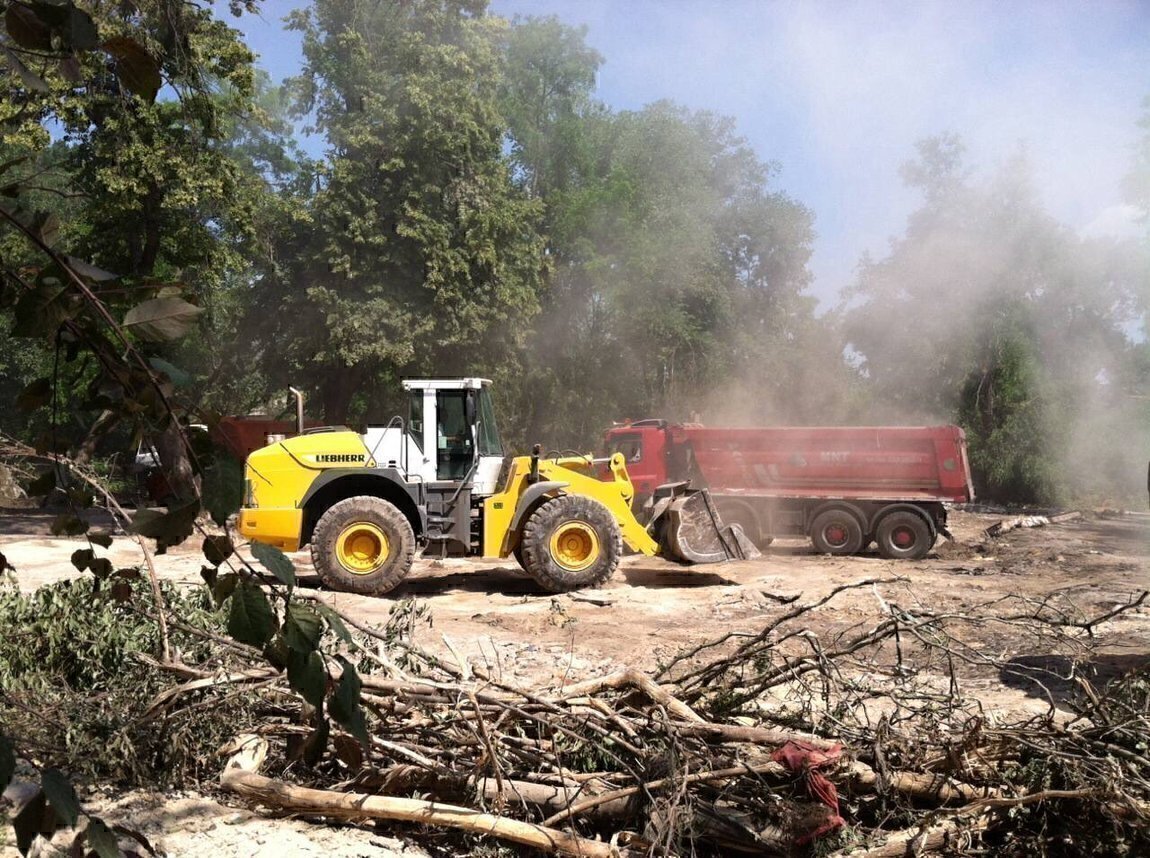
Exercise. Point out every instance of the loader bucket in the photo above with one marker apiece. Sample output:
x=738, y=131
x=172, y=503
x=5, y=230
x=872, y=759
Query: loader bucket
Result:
x=688, y=528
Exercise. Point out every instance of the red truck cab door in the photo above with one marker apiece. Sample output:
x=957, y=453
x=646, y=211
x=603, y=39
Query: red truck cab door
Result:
x=645, y=450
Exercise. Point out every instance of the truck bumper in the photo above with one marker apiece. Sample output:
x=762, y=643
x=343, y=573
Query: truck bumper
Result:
x=279, y=527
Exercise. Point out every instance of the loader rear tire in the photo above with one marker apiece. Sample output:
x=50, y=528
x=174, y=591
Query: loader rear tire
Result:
x=903, y=535
x=571, y=542
x=837, y=532
x=363, y=545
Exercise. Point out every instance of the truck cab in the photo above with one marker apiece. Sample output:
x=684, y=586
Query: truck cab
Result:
x=644, y=447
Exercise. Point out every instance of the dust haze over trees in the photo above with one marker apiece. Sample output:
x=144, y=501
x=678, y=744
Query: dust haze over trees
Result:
x=476, y=210
x=989, y=312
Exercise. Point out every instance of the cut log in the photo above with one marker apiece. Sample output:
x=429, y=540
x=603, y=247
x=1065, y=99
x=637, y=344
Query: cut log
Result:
x=351, y=806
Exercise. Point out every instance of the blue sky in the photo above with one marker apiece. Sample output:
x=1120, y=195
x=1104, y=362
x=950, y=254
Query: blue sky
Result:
x=837, y=93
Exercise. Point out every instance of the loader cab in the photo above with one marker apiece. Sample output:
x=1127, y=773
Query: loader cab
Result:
x=452, y=422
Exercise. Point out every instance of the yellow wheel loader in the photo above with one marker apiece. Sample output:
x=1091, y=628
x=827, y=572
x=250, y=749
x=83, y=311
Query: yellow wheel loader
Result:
x=431, y=482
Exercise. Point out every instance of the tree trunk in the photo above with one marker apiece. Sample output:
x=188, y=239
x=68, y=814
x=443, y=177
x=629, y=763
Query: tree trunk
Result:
x=176, y=462
x=336, y=393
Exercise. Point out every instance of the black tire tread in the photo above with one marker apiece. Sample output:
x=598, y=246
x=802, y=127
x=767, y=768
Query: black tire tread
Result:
x=537, y=560
x=853, y=546
x=886, y=546
x=379, y=512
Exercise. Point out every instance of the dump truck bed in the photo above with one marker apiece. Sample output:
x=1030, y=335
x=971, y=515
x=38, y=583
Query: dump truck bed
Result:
x=926, y=463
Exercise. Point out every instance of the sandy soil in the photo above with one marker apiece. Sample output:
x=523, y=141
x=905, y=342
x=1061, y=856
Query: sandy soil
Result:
x=494, y=615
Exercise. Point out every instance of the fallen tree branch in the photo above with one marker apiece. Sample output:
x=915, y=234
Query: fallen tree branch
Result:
x=358, y=806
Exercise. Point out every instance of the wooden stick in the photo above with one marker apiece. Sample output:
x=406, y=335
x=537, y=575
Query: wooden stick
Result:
x=776, y=769
x=751, y=735
x=635, y=679
x=343, y=805
x=916, y=841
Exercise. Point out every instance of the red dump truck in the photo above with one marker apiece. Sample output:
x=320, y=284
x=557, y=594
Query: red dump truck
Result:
x=842, y=486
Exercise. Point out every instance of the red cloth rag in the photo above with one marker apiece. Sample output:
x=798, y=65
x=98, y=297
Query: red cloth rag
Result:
x=804, y=758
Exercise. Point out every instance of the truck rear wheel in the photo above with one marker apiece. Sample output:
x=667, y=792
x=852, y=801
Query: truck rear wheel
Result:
x=363, y=545
x=571, y=542
x=837, y=532
x=903, y=535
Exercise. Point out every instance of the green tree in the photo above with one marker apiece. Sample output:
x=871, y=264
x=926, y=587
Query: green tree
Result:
x=145, y=195
x=417, y=253
x=672, y=257
x=990, y=312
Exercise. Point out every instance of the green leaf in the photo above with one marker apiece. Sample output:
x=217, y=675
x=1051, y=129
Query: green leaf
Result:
x=344, y=703
x=277, y=652
x=306, y=675
x=334, y=622
x=316, y=742
x=101, y=839
x=82, y=558
x=223, y=488
x=28, y=77
x=217, y=549
x=82, y=31
x=137, y=70
x=104, y=540
x=26, y=28
x=101, y=568
x=61, y=796
x=68, y=525
x=275, y=561
x=36, y=395
x=224, y=587
x=41, y=311
x=47, y=226
x=43, y=484
x=250, y=619
x=35, y=817
x=161, y=319
x=87, y=269
x=177, y=376
x=167, y=528
x=7, y=762
x=302, y=628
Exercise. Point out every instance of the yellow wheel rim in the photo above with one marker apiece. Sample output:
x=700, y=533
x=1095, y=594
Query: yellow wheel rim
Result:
x=574, y=545
x=361, y=548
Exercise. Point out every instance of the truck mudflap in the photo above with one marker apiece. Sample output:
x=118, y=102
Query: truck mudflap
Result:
x=688, y=528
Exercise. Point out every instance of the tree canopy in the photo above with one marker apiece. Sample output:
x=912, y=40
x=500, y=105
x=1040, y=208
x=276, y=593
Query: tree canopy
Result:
x=472, y=208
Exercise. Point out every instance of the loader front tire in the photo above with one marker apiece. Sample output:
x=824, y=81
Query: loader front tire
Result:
x=363, y=545
x=571, y=542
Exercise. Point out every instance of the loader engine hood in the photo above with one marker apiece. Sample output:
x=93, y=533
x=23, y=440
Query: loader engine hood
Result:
x=318, y=452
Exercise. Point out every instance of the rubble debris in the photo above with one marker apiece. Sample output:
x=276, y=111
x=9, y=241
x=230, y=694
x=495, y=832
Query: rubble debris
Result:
x=1001, y=527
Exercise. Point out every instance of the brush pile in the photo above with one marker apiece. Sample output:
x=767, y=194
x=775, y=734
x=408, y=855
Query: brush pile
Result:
x=872, y=741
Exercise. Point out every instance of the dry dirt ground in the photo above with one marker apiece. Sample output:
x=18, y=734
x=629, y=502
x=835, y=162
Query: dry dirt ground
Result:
x=494, y=615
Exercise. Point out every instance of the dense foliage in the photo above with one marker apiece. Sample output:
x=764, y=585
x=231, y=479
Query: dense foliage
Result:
x=469, y=207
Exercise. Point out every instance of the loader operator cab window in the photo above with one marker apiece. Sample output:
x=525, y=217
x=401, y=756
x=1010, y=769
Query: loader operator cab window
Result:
x=489, y=443
x=415, y=418
x=454, y=449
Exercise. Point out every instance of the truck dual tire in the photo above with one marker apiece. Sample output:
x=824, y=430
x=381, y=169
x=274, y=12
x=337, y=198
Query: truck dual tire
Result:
x=571, y=542
x=363, y=545
x=838, y=532
x=903, y=535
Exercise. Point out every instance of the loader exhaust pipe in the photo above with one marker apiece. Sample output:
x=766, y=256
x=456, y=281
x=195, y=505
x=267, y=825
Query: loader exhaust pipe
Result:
x=298, y=394
x=533, y=475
